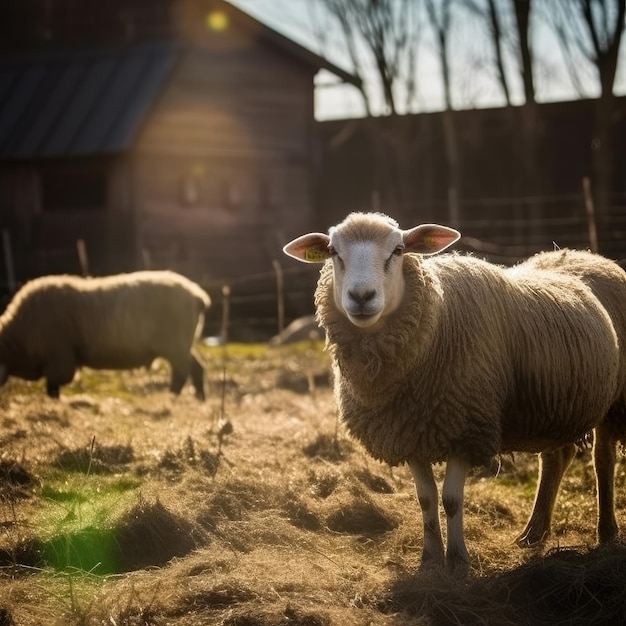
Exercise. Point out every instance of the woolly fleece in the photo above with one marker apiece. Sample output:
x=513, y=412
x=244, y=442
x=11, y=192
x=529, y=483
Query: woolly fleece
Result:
x=478, y=360
x=55, y=324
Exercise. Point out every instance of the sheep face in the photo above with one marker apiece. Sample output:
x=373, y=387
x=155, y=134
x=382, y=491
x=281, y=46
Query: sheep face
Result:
x=367, y=275
x=366, y=251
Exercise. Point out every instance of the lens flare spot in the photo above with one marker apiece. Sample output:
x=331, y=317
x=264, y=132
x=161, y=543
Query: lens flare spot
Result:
x=198, y=170
x=217, y=21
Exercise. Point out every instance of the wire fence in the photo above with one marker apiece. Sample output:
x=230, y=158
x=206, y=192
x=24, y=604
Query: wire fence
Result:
x=261, y=303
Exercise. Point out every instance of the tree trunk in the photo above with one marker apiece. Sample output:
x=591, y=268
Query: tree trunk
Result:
x=530, y=129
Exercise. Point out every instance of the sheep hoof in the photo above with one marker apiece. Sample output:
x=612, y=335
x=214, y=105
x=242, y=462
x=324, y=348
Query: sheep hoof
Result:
x=531, y=538
x=607, y=533
x=431, y=561
x=457, y=565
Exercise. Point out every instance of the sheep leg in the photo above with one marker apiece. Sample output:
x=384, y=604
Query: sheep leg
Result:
x=197, y=377
x=552, y=466
x=60, y=372
x=178, y=381
x=457, y=557
x=180, y=372
x=428, y=498
x=604, y=458
x=53, y=389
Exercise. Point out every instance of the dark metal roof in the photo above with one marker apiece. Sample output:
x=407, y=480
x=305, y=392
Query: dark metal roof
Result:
x=69, y=104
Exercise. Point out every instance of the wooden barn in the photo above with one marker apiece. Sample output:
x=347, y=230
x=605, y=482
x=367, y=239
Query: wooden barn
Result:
x=159, y=133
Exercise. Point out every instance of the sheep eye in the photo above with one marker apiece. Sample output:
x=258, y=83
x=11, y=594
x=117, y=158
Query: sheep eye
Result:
x=397, y=252
x=332, y=251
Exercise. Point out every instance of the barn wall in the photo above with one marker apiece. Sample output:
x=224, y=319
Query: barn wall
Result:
x=222, y=170
x=43, y=225
x=220, y=176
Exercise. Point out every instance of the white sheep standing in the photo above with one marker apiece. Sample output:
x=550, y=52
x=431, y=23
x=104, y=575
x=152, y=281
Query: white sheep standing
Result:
x=56, y=324
x=450, y=358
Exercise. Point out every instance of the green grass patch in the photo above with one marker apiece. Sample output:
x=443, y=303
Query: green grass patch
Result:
x=72, y=503
x=234, y=350
x=62, y=495
x=100, y=383
x=261, y=351
x=89, y=549
x=526, y=486
x=144, y=535
x=101, y=525
x=89, y=523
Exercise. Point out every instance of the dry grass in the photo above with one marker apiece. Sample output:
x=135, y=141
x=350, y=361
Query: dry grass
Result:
x=122, y=506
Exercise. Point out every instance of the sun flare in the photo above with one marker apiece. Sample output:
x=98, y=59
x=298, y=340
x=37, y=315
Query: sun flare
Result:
x=217, y=21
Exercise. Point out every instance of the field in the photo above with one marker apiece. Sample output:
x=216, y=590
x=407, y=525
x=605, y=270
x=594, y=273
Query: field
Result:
x=121, y=505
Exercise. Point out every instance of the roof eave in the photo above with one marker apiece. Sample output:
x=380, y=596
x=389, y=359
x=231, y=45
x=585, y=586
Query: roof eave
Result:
x=304, y=54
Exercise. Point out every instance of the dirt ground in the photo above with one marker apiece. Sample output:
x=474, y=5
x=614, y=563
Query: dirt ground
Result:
x=121, y=505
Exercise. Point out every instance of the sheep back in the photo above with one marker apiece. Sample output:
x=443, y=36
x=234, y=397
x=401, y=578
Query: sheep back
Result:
x=474, y=362
x=114, y=322
x=607, y=280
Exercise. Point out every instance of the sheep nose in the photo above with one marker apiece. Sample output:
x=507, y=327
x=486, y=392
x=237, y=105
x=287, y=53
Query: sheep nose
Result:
x=362, y=297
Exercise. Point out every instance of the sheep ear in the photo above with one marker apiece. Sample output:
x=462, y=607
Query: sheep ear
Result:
x=429, y=238
x=311, y=248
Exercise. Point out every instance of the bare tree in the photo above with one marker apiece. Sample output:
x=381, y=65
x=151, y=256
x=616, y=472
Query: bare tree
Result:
x=385, y=35
x=381, y=38
x=594, y=29
x=440, y=16
x=508, y=24
x=488, y=11
x=522, y=17
x=530, y=127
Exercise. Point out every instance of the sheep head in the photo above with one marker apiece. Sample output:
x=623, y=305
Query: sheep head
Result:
x=366, y=251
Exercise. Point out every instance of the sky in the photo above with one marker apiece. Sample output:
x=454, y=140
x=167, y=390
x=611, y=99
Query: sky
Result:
x=294, y=19
x=298, y=20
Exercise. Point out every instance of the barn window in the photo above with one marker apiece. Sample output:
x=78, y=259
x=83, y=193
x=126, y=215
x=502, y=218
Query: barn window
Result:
x=190, y=190
x=74, y=186
x=192, y=183
x=229, y=194
x=265, y=192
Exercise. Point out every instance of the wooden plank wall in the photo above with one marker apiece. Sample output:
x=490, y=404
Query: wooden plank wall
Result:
x=223, y=168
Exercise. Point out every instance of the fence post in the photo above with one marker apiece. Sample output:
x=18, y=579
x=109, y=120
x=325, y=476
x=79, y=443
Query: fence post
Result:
x=280, y=294
x=453, y=207
x=146, y=258
x=591, y=215
x=82, y=256
x=8, y=260
x=225, y=313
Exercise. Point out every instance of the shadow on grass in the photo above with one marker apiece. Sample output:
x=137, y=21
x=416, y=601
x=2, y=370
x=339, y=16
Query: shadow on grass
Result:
x=95, y=459
x=15, y=481
x=360, y=517
x=566, y=586
x=6, y=619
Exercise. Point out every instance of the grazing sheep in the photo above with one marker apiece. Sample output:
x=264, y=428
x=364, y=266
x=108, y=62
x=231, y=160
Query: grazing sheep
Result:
x=56, y=324
x=454, y=359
